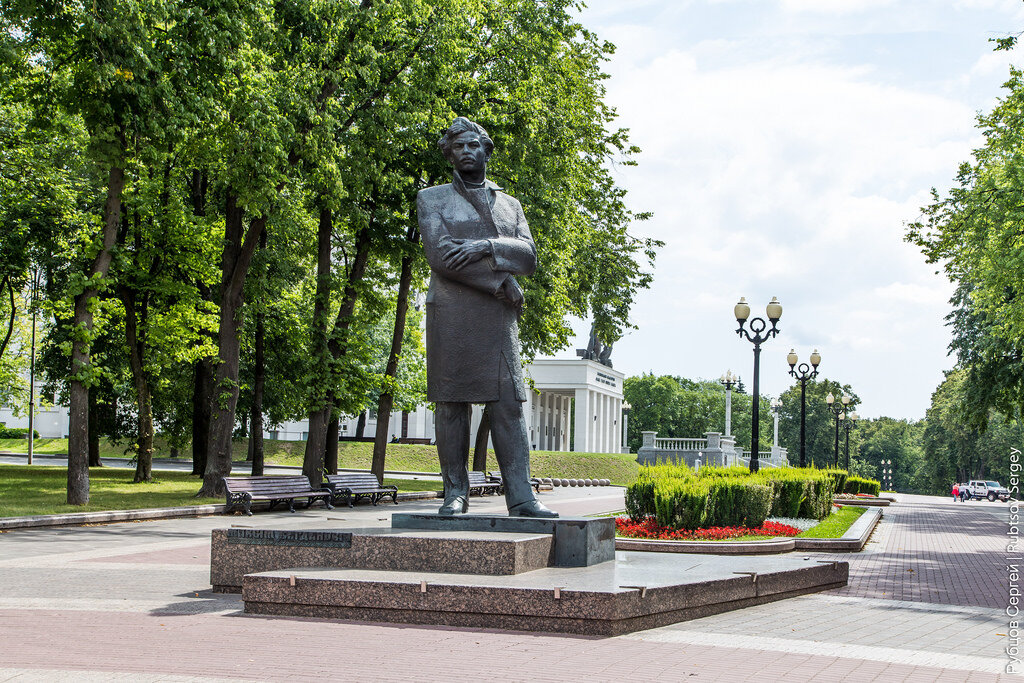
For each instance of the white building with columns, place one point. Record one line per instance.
(581, 397)
(573, 405)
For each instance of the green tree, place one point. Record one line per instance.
(974, 232)
(676, 407)
(955, 449)
(820, 422)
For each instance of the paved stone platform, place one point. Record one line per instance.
(578, 541)
(237, 552)
(95, 603)
(637, 590)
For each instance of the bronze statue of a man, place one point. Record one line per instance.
(476, 241)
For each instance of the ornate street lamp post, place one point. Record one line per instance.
(887, 474)
(728, 380)
(850, 422)
(803, 372)
(756, 334)
(837, 410)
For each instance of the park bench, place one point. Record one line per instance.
(356, 485)
(244, 490)
(479, 482)
(496, 478)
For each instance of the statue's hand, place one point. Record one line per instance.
(466, 252)
(511, 294)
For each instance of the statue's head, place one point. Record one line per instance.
(466, 145)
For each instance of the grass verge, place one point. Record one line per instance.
(836, 524)
(42, 490)
(620, 469)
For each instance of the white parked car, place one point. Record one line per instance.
(979, 489)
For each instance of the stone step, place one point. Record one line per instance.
(579, 541)
(237, 552)
(636, 591)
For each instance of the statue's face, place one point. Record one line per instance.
(467, 152)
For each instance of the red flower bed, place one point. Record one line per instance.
(650, 529)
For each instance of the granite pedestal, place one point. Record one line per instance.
(559, 575)
(237, 552)
(636, 591)
(579, 541)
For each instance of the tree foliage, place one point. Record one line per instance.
(150, 147)
(677, 407)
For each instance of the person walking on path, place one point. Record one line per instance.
(956, 492)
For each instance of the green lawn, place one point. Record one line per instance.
(42, 490)
(621, 469)
(836, 524)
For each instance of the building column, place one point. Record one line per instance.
(581, 430)
(566, 427)
(602, 424)
(549, 421)
(615, 427)
(528, 413)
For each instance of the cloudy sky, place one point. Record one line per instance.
(785, 145)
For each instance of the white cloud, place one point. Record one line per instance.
(779, 162)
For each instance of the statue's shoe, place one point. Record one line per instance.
(456, 505)
(531, 508)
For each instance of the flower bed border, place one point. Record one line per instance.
(771, 546)
(854, 540)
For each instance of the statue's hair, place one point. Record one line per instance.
(459, 126)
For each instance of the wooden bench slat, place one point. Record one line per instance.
(244, 490)
(356, 485)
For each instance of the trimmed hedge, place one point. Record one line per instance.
(739, 502)
(730, 496)
(861, 485)
(15, 432)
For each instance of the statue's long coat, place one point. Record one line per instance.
(470, 332)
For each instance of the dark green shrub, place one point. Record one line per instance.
(15, 432)
(640, 494)
(739, 502)
(723, 472)
(789, 495)
(681, 503)
(839, 476)
(818, 503)
(861, 485)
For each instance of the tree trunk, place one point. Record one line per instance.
(202, 387)
(320, 403)
(78, 432)
(387, 399)
(94, 429)
(259, 373)
(361, 425)
(319, 417)
(235, 261)
(202, 397)
(143, 395)
(331, 454)
(483, 433)
(14, 312)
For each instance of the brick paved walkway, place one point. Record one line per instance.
(132, 601)
(935, 551)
